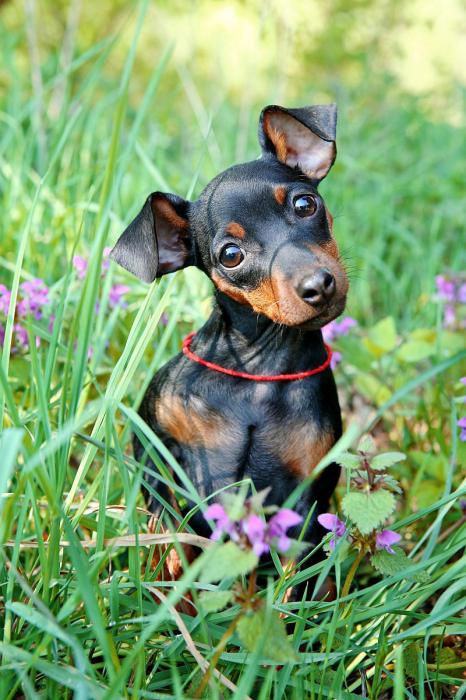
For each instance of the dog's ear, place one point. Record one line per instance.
(158, 241)
(303, 138)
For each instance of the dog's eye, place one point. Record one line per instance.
(305, 205)
(231, 255)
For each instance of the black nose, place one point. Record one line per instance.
(318, 288)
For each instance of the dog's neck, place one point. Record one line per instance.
(238, 338)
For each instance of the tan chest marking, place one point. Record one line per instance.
(193, 424)
(301, 447)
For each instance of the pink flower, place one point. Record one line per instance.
(333, 523)
(462, 425)
(334, 329)
(223, 524)
(5, 296)
(105, 259)
(80, 265)
(255, 528)
(261, 536)
(385, 539)
(463, 380)
(336, 359)
(445, 288)
(21, 335)
(279, 524)
(2, 335)
(116, 294)
(35, 296)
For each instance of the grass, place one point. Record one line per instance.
(79, 616)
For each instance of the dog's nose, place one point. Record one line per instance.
(318, 288)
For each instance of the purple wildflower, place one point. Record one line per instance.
(336, 359)
(164, 319)
(260, 535)
(385, 539)
(445, 288)
(5, 296)
(21, 335)
(35, 295)
(462, 425)
(449, 316)
(256, 530)
(106, 259)
(116, 294)
(463, 380)
(279, 524)
(2, 335)
(461, 295)
(335, 329)
(333, 523)
(80, 265)
(223, 524)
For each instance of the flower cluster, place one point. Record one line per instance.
(251, 530)
(451, 290)
(33, 299)
(336, 329)
(383, 539)
(117, 291)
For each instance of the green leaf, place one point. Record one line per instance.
(372, 388)
(392, 483)
(410, 659)
(10, 444)
(368, 510)
(386, 460)
(227, 561)
(390, 564)
(212, 601)
(382, 337)
(348, 460)
(266, 631)
(415, 351)
(366, 444)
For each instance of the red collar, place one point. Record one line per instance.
(255, 377)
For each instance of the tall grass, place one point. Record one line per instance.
(79, 614)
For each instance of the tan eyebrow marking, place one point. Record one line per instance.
(236, 230)
(279, 193)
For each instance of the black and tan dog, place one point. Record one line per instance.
(263, 235)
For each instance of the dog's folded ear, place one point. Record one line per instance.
(302, 138)
(158, 241)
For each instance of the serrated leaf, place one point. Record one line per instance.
(266, 631)
(390, 564)
(348, 460)
(368, 511)
(392, 483)
(386, 460)
(212, 601)
(227, 561)
(367, 444)
(410, 660)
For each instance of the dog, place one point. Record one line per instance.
(252, 394)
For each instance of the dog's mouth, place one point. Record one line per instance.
(323, 317)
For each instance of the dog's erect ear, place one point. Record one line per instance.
(302, 137)
(158, 241)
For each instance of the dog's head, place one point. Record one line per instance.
(260, 230)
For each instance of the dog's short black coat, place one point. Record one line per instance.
(262, 233)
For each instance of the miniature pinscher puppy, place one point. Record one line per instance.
(263, 235)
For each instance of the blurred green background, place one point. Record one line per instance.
(397, 71)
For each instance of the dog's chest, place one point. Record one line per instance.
(267, 431)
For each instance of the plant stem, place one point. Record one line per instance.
(214, 660)
(351, 573)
